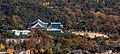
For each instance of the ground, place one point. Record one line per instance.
(91, 34)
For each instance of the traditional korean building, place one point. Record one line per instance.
(53, 26)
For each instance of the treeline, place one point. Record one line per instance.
(91, 15)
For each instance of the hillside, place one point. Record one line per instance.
(92, 15)
(97, 17)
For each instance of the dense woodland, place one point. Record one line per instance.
(81, 15)
(91, 15)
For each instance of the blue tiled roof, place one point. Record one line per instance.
(57, 31)
(46, 25)
(56, 26)
(41, 23)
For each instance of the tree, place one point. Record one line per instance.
(50, 51)
(10, 51)
(42, 50)
(2, 47)
(69, 24)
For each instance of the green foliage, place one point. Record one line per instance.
(69, 24)
(81, 14)
(102, 16)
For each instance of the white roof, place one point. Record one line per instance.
(21, 30)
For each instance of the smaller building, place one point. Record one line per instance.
(24, 52)
(79, 52)
(3, 52)
(21, 32)
(16, 40)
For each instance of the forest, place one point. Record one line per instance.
(91, 15)
(101, 16)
